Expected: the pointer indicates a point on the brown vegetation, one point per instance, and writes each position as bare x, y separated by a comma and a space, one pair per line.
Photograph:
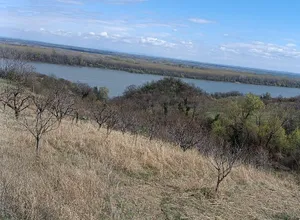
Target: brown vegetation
83, 174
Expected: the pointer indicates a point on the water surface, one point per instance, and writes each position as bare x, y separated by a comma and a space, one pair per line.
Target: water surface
117, 81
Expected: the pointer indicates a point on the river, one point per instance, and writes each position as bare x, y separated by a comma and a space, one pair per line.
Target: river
118, 81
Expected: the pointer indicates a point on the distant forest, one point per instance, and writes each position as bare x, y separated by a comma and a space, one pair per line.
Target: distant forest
140, 66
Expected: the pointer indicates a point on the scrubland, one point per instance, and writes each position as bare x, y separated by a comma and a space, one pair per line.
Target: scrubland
81, 173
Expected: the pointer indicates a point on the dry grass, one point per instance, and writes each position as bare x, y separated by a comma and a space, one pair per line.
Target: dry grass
82, 174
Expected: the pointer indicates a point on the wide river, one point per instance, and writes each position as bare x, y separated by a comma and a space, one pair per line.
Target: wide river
117, 81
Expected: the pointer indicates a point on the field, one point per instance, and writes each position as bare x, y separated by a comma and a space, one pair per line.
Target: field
140, 65
83, 174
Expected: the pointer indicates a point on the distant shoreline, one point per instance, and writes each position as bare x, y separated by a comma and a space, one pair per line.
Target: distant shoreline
138, 65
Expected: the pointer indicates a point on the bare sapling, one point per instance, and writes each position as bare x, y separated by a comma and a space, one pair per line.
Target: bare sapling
40, 120
224, 158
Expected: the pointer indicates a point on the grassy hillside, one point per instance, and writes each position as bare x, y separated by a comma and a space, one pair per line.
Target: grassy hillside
82, 174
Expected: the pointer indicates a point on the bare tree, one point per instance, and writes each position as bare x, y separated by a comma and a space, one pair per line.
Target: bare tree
152, 120
63, 104
41, 121
16, 71
224, 158
127, 119
112, 120
187, 133
85, 95
80, 111
16, 98
100, 113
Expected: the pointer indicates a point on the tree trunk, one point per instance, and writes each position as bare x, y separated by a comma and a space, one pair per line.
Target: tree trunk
135, 139
218, 183
17, 114
269, 140
37, 145
151, 137
77, 117
217, 186
107, 131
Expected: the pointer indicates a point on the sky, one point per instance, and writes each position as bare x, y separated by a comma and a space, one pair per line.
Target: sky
258, 33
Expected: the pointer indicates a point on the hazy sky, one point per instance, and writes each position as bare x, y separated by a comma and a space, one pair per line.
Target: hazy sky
256, 33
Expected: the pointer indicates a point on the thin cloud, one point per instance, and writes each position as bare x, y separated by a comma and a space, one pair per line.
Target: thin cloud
104, 34
58, 32
201, 21
156, 42
262, 49
187, 44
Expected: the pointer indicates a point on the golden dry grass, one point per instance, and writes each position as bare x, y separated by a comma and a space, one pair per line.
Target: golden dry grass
82, 174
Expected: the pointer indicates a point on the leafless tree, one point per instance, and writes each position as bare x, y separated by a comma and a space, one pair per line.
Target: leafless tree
153, 125
80, 111
16, 98
63, 104
152, 120
224, 158
127, 119
41, 120
112, 120
100, 113
16, 71
187, 133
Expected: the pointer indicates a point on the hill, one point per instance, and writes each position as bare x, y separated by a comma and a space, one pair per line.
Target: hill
83, 174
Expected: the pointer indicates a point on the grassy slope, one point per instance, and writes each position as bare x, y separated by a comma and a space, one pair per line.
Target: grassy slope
81, 174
